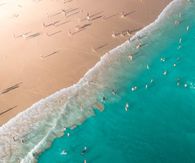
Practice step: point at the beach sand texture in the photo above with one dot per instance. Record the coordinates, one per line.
(47, 45)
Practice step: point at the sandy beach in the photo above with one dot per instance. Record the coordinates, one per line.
(47, 45)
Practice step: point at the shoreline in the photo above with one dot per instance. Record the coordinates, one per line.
(41, 74)
(65, 91)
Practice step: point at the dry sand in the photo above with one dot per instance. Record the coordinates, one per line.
(46, 45)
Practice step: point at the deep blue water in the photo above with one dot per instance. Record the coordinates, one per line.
(159, 124)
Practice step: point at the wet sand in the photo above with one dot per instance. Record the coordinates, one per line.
(47, 45)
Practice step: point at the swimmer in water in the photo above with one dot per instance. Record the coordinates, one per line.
(149, 84)
(113, 92)
(146, 86)
(64, 152)
(162, 59)
(139, 46)
(187, 28)
(104, 98)
(134, 88)
(178, 82)
(126, 107)
(152, 80)
(177, 22)
(165, 73)
(130, 57)
(180, 40)
(84, 150)
(148, 67)
(35, 154)
(179, 47)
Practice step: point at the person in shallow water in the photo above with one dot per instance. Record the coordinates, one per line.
(114, 92)
(103, 98)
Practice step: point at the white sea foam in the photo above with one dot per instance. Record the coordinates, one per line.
(32, 131)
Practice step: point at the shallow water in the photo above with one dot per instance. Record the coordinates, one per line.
(159, 124)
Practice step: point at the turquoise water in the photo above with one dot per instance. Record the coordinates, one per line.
(159, 124)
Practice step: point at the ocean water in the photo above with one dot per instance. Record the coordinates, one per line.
(121, 110)
(149, 102)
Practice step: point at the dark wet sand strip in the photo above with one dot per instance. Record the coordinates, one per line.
(8, 110)
(11, 88)
(55, 52)
(54, 33)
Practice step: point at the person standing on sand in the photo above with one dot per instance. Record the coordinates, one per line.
(88, 17)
